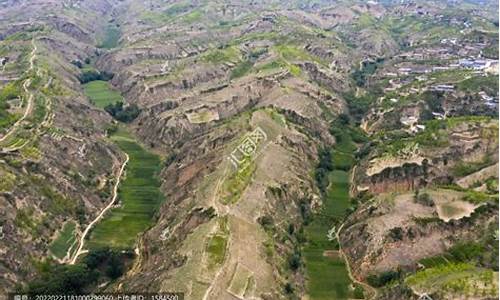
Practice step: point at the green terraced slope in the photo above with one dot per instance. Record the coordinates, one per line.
(100, 94)
(63, 242)
(139, 196)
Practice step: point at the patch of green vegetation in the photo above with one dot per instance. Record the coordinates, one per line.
(60, 246)
(492, 185)
(338, 201)
(358, 105)
(384, 278)
(436, 134)
(450, 76)
(100, 93)
(398, 28)
(59, 204)
(491, 52)
(288, 54)
(193, 16)
(8, 181)
(365, 20)
(460, 253)
(275, 64)
(436, 272)
(90, 74)
(10, 91)
(154, 17)
(294, 70)
(224, 55)
(39, 111)
(217, 244)
(97, 266)
(63, 279)
(241, 69)
(455, 278)
(277, 117)
(234, 186)
(291, 53)
(367, 69)
(488, 84)
(216, 249)
(123, 114)
(139, 197)
(169, 14)
(111, 37)
(466, 168)
(24, 219)
(256, 36)
(19, 36)
(478, 197)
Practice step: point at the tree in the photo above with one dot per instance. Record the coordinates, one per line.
(294, 261)
(424, 199)
(93, 75)
(63, 279)
(396, 233)
(121, 113)
(344, 119)
(96, 258)
(77, 63)
(383, 278)
(115, 266)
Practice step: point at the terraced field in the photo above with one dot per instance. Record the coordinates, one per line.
(60, 246)
(324, 271)
(324, 267)
(138, 198)
(100, 94)
(451, 278)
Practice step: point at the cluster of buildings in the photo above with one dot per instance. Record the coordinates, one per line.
(478, 64)
(488, 100)
(466, 63)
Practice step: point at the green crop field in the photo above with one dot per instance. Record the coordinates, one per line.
(66, 238)
(217, 244)
(139, 195)
(100, 93)
(327, 277)
(324, 272)
(338, 194)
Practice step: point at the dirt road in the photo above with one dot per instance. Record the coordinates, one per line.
(81, 243)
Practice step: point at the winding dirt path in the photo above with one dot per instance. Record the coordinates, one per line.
(26, 84)
(101, 214)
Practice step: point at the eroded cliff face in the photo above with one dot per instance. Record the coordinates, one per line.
(169, 123)
(417, 165)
